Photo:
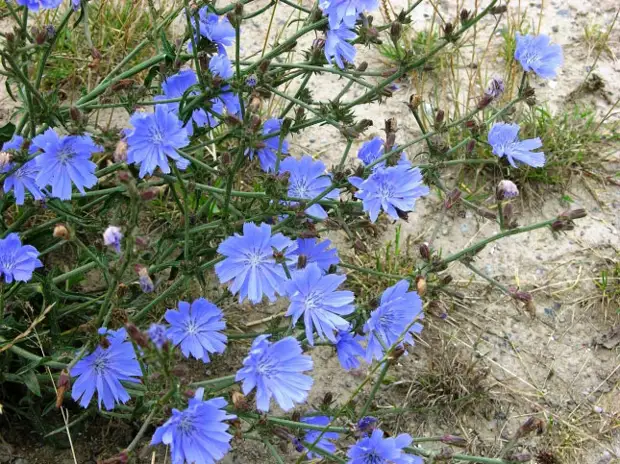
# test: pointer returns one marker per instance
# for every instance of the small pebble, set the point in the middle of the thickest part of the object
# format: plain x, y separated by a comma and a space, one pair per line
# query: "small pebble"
555, 28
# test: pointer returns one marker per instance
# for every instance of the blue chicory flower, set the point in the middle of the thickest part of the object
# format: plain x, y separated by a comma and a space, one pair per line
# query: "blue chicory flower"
308, 180
198, 434
215, 28
197, 328
112, 236
348, 349
17, 261
311, 250
504, 138
393, 189
155, 137
276, 371
157, 334
337, 47
104, 369
537, 54
367, 424
250, 268
64, 160
373, 150
345, 11
36, 5
396, 316
378, 450
230, 100
313, 295
220, 66
24, 177
324, 442
144, 279
267, 153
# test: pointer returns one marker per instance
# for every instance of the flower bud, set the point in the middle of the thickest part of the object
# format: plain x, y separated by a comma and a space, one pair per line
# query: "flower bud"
496, 88
263, 67
40, 37
328, 399
367, 424
239, 401
506, 189
75, 113
414, 102
396, 354
448, 30
469, 148
146, 284
63, 385
464, 16
136, 335
256, 103
485, 101
574, 214
453, 440
5, 159
251, 80
452, 198
363, 66
396, 30
439, 118
61, 231
498, 10
421, 286
120, 152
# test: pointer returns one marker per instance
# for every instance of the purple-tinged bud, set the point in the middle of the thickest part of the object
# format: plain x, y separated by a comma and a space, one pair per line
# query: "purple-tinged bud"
452, 198
157, 334
506, 189
448, 30
251, 80
454, 440
112, 237
498, 10
484, 101
396, 30
496, 88
367, 424
51, 32
146, 284
469, 148
464, 16
63, 385
137, 335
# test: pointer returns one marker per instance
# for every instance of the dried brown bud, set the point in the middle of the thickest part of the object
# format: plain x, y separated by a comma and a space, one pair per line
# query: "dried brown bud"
439, 117
464, 16
421, 286
63, 384
120, 152
497, 10
448, 30
469, 148
485, 101
149, 194
573, 214
239, 401
40, 37
256, 103
391, 126
363, 66
414, 102
530, 425
396, 354
452, 198
75, 113
296, 416
327, 399
521, 296
61, 231
453, 440
264, 66
136, 335
104, 342
396, 30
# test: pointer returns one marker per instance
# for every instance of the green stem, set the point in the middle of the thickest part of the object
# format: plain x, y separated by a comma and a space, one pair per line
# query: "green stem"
375, 388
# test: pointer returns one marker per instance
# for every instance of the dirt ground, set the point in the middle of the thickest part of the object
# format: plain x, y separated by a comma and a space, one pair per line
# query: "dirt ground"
552, 363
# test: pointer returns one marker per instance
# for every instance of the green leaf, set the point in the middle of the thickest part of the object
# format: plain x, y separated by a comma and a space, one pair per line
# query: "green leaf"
6, 132
31, 381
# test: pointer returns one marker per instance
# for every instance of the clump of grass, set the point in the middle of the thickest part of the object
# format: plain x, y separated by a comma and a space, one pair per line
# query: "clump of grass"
596, 39
609, 285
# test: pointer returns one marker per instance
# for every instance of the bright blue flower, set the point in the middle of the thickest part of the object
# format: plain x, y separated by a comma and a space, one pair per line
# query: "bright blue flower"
312, 435
197, 328
308, 180
391, 189
345, 11
367, 424
373, 150
536, 53
230, 100
317, 252
378, 450
314, 296
267, 154
215, 28
337, 48
155, 138
17, 261
348, 349
250, 267
24, 177
198, 434
65, 160
104, 369
276, 370
157, 334
504, 138
75, 4
36, 5
220, 65
112, 236
397, 313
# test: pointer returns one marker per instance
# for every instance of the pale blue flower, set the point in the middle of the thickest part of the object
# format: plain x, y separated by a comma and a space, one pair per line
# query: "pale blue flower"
345, 11
17, 261
220, 66
373, 150
349, 349
24, 177
337, 47
215, 28
157, 334
112, 237
36, 5
537, 54
375, 449
311, 250
504, 138
312, 435
267, 154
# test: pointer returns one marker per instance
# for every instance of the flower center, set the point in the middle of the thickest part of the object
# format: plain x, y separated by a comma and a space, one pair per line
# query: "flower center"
186, 424
300, 188
101, 363
7, 262
191, 327
65, 154
386, 191
266, 368
373, 458
312, 301
156, 136
253, 259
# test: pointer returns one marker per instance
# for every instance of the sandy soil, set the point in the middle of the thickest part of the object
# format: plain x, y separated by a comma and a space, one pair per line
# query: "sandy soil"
548, 363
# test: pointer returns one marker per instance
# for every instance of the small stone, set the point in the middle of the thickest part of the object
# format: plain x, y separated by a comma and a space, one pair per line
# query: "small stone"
444, 231
555, 28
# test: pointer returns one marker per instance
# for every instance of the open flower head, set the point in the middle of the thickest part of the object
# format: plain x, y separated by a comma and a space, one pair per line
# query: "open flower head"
504, 139
312, 435
349, 349
397, 316
37, 5
536, 53
154, 139
338, 48
267, 152
345, 11
104, 369
276, 371
311, 250
17, 261
372, 150
375, 449
314, 296
220, 66
197, 328
307, 180
216, 29
24, 177
198, 434
250, 268
64, 161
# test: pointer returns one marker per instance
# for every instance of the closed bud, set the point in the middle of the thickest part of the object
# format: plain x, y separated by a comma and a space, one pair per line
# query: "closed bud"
497, 10
256, 103
452, 198
328, 398
506, 189
446, 279
255, 122
299, 114
363, 66
469, 148
507, 212
296, 416
530, 425
124, 177
425, 251
521, 296
396, 354
50, 30
40, 37
239, 401
496, 88
396, 30
414, 102
391, 126
453, 440
264, 66
239, 9
63, 385
104, 342
448, 30
136, 335
485, 101
439, 118
464, 16
421, 286
75, 114
61, 231
302, 261
574, 214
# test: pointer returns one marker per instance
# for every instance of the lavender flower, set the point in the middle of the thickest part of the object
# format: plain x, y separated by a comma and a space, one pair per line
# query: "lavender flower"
157, 334
537, 54
230, 100
496, 88
337, 48
348, 349
267, 153
155, 138
104, 369
36, 5
198, 434
378, 450
395, 317
112, 237
314, 296
24, 177
310, 250
220, 65
504, 138
345, 11
373, 150
394, 189
250, 268
215, 28
324, 442
308, 180
276, 370
64, 160
197, 328
367, 424
146, 284
17, 261
506, 189
251, 80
